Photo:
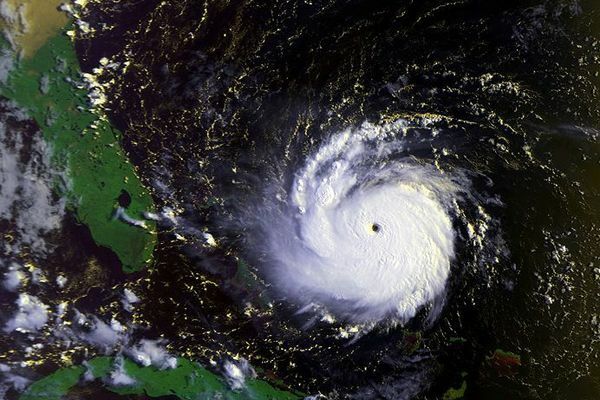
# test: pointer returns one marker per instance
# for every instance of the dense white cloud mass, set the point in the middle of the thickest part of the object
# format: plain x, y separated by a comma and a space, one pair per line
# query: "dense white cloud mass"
31, 315
236, 372
27, 185
152, 352
368, 233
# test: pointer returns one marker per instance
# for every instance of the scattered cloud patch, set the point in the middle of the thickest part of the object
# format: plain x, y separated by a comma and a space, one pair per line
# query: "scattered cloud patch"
88, 375
236, 372
27, 183
118, 376
18, 382
7, 64
61, 281
31, 315
101, 335
152, 352
129, 298
13, 278
122, 215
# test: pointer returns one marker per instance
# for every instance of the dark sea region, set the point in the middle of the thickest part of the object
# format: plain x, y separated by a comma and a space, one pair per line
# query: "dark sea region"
368, 199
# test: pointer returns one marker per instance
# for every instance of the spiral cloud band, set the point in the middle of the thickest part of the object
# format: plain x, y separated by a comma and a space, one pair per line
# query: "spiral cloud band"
368, 234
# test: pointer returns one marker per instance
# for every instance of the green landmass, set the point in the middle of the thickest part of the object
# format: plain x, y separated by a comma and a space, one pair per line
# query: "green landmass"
456, 393
187, 381
87, 145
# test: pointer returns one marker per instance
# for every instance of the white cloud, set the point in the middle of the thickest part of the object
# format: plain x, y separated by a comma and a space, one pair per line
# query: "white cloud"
210, 239
118, 376
31, 315
152, 352
88, 376
19, 383
102, 335
61, 281
37, 276
13, 279
27, 181
122, 215
7, 64
129, 298
116, 326
152, 216
236, 372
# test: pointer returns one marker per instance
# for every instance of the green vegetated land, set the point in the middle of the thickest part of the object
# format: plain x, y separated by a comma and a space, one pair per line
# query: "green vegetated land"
187, 381
98, 169
87, 145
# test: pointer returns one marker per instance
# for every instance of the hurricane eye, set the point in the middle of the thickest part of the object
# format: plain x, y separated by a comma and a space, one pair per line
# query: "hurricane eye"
375, 227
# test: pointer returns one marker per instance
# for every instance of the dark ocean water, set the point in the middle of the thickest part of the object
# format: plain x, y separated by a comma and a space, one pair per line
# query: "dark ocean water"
224, 100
